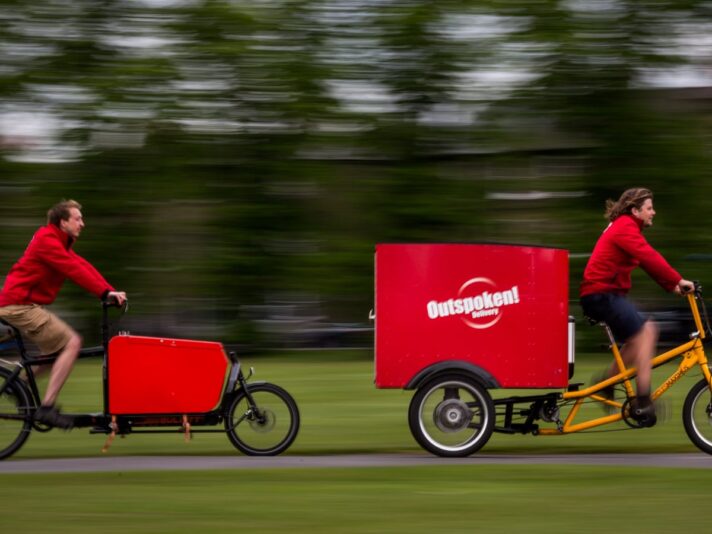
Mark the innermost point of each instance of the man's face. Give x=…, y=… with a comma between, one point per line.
x=645, y=213
x=73, y=226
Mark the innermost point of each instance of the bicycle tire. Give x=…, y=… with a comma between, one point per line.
x=268, y=432
x=697, y=416
x=451, y=416
x=14, y=401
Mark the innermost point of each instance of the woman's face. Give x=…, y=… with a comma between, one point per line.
x=645, y=213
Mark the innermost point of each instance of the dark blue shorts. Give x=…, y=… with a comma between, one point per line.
x=616, y=311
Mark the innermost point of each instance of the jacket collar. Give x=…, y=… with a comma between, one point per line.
x=635, y=219
x=66, y=240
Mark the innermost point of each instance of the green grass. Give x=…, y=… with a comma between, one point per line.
x=342, y=412
x=430, y=499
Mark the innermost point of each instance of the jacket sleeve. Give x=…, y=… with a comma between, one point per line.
x=72, y=266
x=92, y=272
x=631, y=240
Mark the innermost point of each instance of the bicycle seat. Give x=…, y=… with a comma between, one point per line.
x=4, y=325
x=7, y=332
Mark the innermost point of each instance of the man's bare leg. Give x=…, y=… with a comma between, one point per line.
x=61, y=369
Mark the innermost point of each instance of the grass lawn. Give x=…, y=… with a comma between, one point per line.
x=428, y=499
x=342, y=412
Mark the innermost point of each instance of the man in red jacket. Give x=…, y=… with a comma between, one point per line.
x=34, y=282
x=606, y=282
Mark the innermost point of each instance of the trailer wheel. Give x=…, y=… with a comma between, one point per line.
x=451, y=415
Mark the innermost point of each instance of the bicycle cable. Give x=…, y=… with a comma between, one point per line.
x=705, y=315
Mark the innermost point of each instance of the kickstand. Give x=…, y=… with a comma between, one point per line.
x=113, y=426
x=186, y=428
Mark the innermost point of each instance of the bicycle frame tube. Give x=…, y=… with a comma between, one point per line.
x=620, y=364
x=691, y=300
x=13, y=376
x=692, y=353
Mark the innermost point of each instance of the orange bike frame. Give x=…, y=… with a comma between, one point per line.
x=692, y=353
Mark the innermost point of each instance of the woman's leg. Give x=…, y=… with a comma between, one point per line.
x=639, y=351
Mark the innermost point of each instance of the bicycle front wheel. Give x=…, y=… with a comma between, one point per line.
x=264, y=422
x=15, y=415
x=697, y=416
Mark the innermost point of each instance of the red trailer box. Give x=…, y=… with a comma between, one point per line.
x=149, y=375
x=500, y=311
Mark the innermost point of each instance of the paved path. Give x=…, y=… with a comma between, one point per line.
x=183, y=463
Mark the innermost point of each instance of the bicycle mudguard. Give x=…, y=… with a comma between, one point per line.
x=453, y=366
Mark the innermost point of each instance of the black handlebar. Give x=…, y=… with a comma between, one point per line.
x=113, y=303
x=107, y=303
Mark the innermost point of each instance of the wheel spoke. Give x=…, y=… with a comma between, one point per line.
x=240, y=419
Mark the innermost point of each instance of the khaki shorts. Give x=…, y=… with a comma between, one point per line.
x=40, y=326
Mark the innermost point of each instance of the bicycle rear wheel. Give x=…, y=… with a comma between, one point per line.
x=266, y=428
x=15, y=415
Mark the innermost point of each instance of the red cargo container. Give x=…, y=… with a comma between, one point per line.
x=149, y=375
x=499, y=311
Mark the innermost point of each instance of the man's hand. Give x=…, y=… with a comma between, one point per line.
x=118, y=296
x=684, y=287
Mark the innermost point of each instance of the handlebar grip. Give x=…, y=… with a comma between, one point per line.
x=696, y=290
x=113, y=303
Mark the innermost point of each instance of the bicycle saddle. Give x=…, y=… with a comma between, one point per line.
x=593, y=322
x=7, y=332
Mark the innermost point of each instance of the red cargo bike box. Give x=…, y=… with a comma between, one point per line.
x=148, y=375
x=502, y=309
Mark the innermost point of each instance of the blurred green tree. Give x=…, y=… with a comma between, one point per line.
x=244, y=153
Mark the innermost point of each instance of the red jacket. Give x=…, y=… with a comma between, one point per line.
x=619, y=250
x=38, y=275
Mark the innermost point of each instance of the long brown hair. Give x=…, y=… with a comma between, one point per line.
x=631, y=198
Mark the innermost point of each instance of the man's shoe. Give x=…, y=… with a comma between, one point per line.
x=642, y=410
x=51, y=416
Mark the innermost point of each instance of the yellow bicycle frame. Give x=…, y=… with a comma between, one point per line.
x=692, y=354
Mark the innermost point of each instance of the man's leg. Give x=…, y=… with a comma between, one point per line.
x=61, y=369
x=51, y=335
